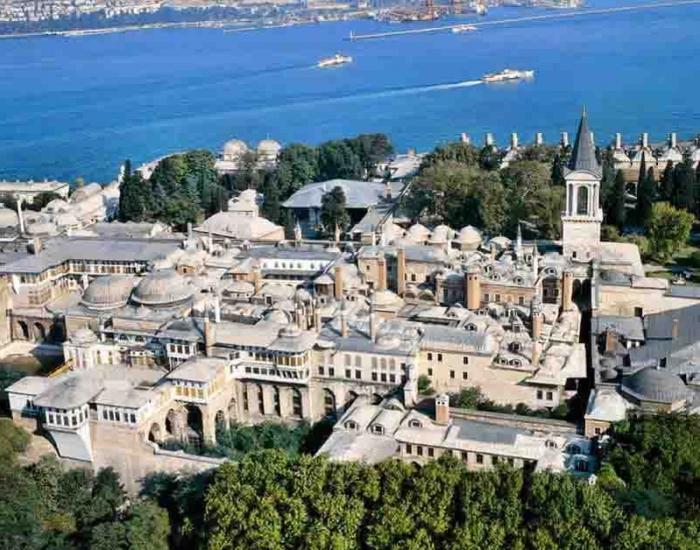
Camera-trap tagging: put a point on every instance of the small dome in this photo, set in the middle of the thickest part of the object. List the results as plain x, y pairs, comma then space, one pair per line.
234, 149
441, 234
418, 233
108, 292
162, 288
290, 331
277, 316
84, 336
8, 218
469, 235
655, 385
269, 148
386, 298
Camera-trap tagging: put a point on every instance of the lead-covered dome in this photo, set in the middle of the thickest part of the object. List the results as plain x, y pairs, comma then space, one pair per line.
8, 218
108, 292
162, 288
469, 237
269, 148
655, 385
234, 149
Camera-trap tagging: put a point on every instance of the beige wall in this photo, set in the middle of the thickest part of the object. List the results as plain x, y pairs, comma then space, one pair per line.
622, 300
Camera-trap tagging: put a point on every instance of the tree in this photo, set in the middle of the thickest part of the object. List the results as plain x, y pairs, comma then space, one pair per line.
684, 185
371, 149
333, 211
147, 527
557, 174
337, 159
616, 213
668, 230
666, 185
463, 153
646, 194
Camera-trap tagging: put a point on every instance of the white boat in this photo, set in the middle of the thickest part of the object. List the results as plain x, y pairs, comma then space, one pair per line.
463, 28
334, 61
508, 74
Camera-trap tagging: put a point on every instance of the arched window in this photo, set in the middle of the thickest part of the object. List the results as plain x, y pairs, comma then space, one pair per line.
378, 429
413, 423
351, 425
296, 403
582, 200
328, 402
261, 402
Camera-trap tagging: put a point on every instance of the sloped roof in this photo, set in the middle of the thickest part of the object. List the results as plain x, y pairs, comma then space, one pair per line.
583, 155
358, 194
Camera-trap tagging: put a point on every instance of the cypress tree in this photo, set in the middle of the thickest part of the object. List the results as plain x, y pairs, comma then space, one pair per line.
646, 193
558, 171
130, 206
666, 187
615, 213
684, 185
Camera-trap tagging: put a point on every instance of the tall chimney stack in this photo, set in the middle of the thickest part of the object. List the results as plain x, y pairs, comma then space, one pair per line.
488, 140
618, 140
674, 329
673, 140
645, 140
565, 139
381, 273
338, 283
442, 409
567, 290
472, 288
514, 140
465, 138
539, 138
401, 272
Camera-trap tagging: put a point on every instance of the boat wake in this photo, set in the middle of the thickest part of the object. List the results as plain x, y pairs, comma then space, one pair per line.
420, 89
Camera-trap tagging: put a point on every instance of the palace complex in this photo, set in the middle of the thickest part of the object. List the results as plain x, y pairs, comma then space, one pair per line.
167, 336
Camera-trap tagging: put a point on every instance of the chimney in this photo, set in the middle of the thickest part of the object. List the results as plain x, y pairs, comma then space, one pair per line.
472, 288
343, 323
257, 280
488, 140
464, 138
673, 140
217, 309
618, 140
539, 138
208, 336
189, 231
610, 341
645, 140
373, 328
565, 139
536, 353
537, 320
514, 141
674, 329
567, 289
338, 284
400, 272
442, 409
19, 215
381, 273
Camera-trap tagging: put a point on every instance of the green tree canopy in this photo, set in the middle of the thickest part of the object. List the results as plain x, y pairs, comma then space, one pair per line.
668, 230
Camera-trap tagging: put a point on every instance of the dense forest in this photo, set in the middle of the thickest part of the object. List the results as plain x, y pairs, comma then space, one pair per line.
646, 496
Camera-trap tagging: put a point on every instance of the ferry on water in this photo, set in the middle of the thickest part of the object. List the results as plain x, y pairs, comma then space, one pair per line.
507, 74
334, 61
463, 28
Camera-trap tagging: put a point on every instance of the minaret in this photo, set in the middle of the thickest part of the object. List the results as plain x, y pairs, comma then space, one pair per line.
19, 214
519, 245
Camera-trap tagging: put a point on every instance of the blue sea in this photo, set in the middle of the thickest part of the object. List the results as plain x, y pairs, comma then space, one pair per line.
79, 106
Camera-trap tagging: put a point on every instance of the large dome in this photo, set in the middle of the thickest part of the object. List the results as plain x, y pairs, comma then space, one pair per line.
162, 288
8, 218
469, 236
108, 292
655, 385
234, 149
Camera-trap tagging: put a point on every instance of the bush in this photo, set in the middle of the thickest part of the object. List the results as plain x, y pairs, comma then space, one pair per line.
424, 385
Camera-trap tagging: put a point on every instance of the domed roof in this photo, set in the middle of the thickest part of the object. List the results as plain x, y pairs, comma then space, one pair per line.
418, 232
469, 235
441, 234
108, 292
269, 147
386, 298
84, 336
290, 331
8, 218
240, 287
162, 288
607, 405
655, 385
277, 316
235, 148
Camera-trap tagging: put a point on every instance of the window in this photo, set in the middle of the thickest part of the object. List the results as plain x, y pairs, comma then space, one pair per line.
296, 403
392, 378
539, 394
597, 431
431, 452
662, 362
430, 372
347, 360
638, 311
581, 466
348, 373
465, 375
132, 418
331, 371
430, 356
374, 377
452, 374
413, 423
419, 450
498, 298
465, 456
383, 377
358, 374
409, 448
479, 458
321, 371
351, 425
521, 300
550, 396
465, 360
378, 429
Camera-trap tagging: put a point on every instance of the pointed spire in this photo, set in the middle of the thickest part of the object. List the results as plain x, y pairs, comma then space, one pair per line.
583, 154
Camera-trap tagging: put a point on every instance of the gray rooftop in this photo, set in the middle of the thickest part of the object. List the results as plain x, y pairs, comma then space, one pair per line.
486, 432
358, 194
583, 154
91, 249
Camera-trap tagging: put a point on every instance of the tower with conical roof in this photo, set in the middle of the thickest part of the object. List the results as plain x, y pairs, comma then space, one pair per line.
583, 215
